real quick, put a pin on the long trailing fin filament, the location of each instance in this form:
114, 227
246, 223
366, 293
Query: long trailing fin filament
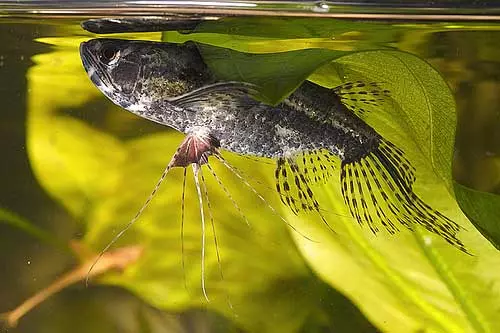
134, 219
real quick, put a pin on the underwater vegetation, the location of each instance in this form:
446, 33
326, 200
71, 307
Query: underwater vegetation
274, 278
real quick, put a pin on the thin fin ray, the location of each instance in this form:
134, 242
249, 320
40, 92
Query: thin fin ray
196, 172
228, 194
212, 223
183, 202
145, 205
261, 198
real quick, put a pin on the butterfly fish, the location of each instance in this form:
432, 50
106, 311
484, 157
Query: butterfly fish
314, 134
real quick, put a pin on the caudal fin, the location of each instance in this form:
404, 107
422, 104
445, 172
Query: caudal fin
378, 189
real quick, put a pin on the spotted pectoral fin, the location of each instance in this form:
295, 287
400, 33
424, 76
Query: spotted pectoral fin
362, 97
214, 93
378, 190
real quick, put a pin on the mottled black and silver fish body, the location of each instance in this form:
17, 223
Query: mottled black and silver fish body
149, 78
307, 132
172, 22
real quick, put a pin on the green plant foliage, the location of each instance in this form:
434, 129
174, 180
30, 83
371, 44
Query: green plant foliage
415, 272
482, 209
31, 229
409, 282
268, 35
281, 75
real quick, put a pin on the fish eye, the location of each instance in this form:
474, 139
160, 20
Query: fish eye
109, 54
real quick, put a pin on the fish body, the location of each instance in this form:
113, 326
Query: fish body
170, 84
151, 75
144, 23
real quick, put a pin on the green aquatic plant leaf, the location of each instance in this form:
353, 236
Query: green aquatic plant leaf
279, 73
482, 209
31, 229
425, 283
423, 109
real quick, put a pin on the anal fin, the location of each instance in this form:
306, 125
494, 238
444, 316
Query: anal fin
295, 175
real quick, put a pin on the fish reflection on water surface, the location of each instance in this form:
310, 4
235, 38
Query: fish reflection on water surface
315, 133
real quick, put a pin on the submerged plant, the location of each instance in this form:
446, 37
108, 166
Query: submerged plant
409, 281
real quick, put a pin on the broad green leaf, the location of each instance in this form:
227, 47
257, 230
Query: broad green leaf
415, 280
423, 110
280, 73
482, 209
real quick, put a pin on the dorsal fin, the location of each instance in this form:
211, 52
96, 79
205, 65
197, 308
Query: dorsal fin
208, 93
362, 97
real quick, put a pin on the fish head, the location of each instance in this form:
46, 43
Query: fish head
113, 67
134, 73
